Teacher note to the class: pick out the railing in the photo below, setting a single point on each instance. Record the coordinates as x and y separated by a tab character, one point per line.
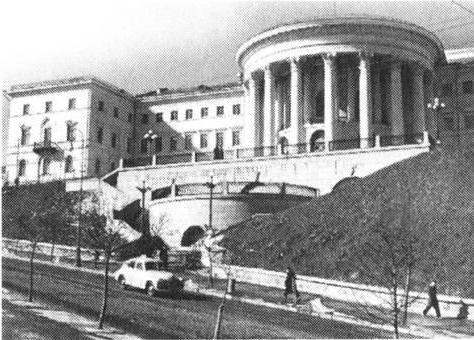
278	150
45	146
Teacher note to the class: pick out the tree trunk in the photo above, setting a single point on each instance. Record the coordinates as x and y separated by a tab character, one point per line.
211	277
395	304
106	290
32	257
407	294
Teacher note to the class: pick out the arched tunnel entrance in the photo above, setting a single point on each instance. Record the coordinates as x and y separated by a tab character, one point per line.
192	235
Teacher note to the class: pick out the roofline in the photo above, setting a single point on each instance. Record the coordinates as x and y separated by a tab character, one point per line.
285	28
184	95
66	82
459	55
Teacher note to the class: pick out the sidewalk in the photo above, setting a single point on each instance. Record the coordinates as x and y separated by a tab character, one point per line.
418	325
36	320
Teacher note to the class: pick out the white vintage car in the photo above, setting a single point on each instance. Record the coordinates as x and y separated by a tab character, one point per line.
144	273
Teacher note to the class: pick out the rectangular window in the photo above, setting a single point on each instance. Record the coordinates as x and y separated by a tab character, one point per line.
158	144
189	114
144	119
204	112
448	123
173	144
159	117
220	139
467	87
220	111
235	138
26	109
113	140
188	141
100	135
112	166
48	107
116	112
25	136
144	146
70	133
469	122
129	145
72	103
130	117
97	166
203	141
174	115
236	109
447	89
100	106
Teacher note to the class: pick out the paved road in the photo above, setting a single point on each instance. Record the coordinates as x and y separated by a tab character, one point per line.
190	316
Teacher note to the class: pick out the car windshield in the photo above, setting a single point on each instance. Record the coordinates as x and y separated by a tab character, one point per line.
151	266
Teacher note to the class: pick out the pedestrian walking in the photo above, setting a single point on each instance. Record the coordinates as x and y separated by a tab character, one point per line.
290	285
164	257
432	300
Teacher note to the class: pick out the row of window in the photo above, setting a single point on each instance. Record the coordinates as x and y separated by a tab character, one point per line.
449	122
113	139
48	107
68	166
188	142
447	89
189	114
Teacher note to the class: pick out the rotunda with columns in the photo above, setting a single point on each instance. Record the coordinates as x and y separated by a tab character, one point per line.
319	82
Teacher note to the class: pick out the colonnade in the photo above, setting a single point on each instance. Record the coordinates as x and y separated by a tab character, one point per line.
403	102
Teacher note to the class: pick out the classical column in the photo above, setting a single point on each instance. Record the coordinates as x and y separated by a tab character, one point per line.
365	101
417	73
351	93
306	96
377	95
396	103
330	93
296	122
250	112
269	94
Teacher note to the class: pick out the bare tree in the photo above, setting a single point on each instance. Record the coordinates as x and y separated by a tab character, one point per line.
104	234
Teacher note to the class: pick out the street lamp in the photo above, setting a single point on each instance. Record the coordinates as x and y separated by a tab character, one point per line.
143	189
81	180
149	137
436	105
211	185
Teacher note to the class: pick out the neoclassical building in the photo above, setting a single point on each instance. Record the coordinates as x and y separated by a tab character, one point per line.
319	86
336	79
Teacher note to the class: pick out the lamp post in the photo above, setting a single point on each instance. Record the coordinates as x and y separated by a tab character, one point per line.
211	187
149	137
81	181
143	190
436	105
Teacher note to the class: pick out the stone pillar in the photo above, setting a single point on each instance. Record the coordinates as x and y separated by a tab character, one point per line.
269	83
250	112
365	101
296	121
396	103
277	111
417	73
351	92
306	96
330	93
377	95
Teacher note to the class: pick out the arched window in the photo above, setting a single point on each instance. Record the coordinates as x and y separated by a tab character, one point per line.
68	164
21	168
317	141
46	166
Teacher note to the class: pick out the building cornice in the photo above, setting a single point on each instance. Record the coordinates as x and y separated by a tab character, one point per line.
171	97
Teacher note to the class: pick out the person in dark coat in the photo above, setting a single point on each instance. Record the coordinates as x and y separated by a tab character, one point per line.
432	300
164	257
290	284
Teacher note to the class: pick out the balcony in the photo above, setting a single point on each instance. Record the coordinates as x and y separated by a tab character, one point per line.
46	147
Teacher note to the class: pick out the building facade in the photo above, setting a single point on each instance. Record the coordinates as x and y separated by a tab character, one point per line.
325	85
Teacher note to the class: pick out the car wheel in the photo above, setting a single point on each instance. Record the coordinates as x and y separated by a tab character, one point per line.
150	290
122	283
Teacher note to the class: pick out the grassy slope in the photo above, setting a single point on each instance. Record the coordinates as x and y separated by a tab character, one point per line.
312	237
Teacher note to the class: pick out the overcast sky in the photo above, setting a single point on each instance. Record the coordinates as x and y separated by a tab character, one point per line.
141	45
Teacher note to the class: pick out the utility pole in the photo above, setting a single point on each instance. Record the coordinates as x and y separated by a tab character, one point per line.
143	190
211	187
150	136
81	189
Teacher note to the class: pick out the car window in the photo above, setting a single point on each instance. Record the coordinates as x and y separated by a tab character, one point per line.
139	266
151	266
131	264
